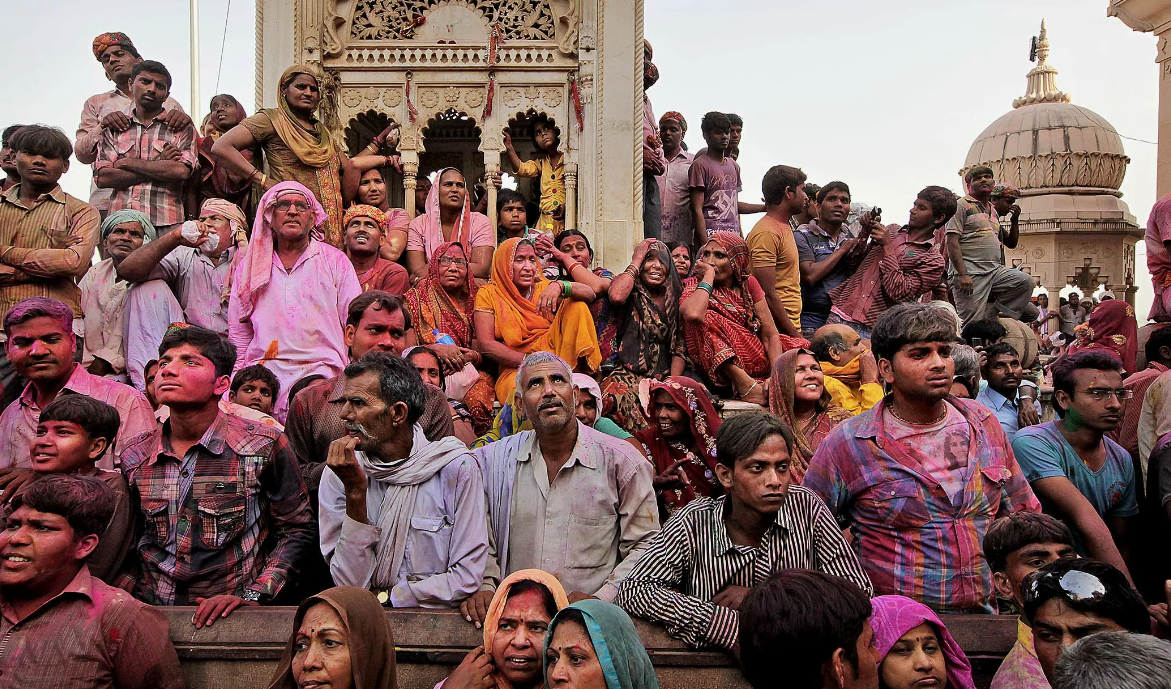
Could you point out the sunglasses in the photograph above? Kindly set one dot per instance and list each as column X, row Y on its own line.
column 1077, row 586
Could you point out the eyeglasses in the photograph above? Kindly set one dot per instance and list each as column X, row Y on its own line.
column 299, row 206
column 449, row 261
column 1100, row 394
column 1077, row 586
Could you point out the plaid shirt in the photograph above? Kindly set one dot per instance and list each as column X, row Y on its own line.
column 909, row 271
column 161, row 201
column 230, row 516
column 911, row 539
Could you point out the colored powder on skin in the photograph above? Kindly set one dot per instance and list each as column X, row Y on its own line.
column 1072, row 420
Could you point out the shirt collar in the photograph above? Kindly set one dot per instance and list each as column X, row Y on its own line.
column 80, row 585
column 581, row 453
column 870, row 424
column 998, row 399
column 723, row 505
column 78, row 382
column 310, row 251
column 13, row 195
column 212, row 440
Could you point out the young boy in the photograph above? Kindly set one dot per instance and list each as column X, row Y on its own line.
column 73, row 433
column 715, row 182
column 1015, row 547
column 511, row 216
column 255, row 387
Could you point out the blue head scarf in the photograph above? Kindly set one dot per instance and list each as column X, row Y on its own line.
column 624, row 660
column 129, row 215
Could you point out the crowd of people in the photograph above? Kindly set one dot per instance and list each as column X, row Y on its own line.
column 276, row 389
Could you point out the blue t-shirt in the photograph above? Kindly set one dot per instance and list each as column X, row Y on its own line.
column 1043, row 452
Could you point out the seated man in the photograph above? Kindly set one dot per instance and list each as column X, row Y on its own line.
column 695, row 573
column 1081, row 476
column 922, row 474
column 1002, row 370
column 1110, row 660
column 41, row 347
column 241, row 524
column 533, row 479
column 851, row 372
column 813, row 625
column 103, row 294
column 400, row 515
column 1071, row 599
column 58, row 619
column 255, row 387
column 1016, row 547
column 364, row 228
column 966, row 381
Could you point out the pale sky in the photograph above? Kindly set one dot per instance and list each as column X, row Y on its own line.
column 886, row 96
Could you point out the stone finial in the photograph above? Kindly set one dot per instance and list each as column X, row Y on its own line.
column 1042, row 78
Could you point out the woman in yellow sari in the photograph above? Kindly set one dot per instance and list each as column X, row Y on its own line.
column 297, row 146
column 519, row 312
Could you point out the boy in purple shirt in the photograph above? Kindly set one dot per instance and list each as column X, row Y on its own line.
column 715, row 182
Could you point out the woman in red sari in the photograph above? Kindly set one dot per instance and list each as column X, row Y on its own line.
column 797, row 396
column 730, row 332
column 442, row 304
column 681, row 442
column 1112, row 326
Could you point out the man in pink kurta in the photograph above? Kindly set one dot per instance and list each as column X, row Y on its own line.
column 1158, row 239
column 287, row 309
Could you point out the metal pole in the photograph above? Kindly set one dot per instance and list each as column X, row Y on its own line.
column 196, row 101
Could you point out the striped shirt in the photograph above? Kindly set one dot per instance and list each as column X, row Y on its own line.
column 907, row 272
column 692, row 559
column 161, row 201
column 35, row 257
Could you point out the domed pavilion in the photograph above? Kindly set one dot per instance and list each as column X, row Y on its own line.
column 1068, row 162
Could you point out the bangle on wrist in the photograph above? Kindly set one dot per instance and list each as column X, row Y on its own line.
column 566, row 288
column 705, row 287
column 632, row 271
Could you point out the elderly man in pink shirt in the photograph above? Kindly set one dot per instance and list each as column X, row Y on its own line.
column 287, row 309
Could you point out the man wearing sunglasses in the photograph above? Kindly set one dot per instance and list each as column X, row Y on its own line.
column 1081, row 476
column 1071, row 599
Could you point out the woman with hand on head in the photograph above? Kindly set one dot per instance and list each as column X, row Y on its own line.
column 916, row 649
column 797, row 396
column 448, row 217
column 571, row 250
column 219, row 181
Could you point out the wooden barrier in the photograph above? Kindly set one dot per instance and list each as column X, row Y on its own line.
column 242, row 651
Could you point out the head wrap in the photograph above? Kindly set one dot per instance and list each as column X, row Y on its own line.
column 104, row 41
column 256, row 265
column 781, row 394
column 703, row 422
column 363, row 211
column 432, row 308
column 896, row 615
column 1112, row 327
column 624, row 660
column 588, row 384
column 368, row 637
column 432, row 223
column 1005, row 190
column 120, row 216
column 676, row 117
column 313, row 147
column 500, row 599
column 239, row 237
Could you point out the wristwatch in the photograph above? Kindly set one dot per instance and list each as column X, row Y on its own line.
column 251, row 596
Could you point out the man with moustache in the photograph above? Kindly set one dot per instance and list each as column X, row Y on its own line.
column 8, row 159
column 563, row 497
column 400, row 515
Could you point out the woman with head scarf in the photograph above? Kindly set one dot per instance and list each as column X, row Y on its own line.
column 649, row 331
column 797, row 396
column 572, row 253
column 514, row 634
column 681, row 442
column 1111, row 326
column 729, row 329
column 218, row 181
column 519, row 312
column 593, row 644
column 341, row 638
column 448, row 217
column 103, row 294
column 916, row 647
column 589, row 407
column 297, row 146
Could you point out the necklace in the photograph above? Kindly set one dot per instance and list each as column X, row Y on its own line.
column 942, row 416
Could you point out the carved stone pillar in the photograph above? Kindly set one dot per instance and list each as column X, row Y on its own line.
column 571, row 196
column 1154, row 17
column 492, row 167
column 410, row 182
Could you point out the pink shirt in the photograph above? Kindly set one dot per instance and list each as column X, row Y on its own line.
column 1159, row 231
column 297, row 326
column 422, row 237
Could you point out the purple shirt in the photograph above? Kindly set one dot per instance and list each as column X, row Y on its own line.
column 675, row 199
column 721, row 192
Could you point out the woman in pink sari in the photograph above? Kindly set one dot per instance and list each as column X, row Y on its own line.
column 449, row 218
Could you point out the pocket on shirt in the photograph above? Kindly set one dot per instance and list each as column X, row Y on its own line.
column 158, row 519
column 590, row 541
column 899, row 504
column 430, row 543
column 992, row 479
column 221, row 519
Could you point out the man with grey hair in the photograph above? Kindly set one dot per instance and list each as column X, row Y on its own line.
column 965, row 382
column 1115, row 660
column 400, row 515
column 563, row 497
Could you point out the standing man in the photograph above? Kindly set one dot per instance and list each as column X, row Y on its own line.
column 653, row 163
column 400, row 515
column 563, row 497
column 288, row 304
column 737, row 132
column 227, row 518
column 774, row 250
column 900, row 265
column 1080, row 475
column 1002, row 369
column 1158, row 243
column 8, row 159
column 111, row 111
column 922, row 475
column 147, row 164
column 715, row 183
column 364, row 226
column 674, row 188
column 980, row 282
column 1072, row 314
column 829, row 252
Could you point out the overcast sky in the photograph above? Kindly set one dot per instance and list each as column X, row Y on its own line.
column 887, row 96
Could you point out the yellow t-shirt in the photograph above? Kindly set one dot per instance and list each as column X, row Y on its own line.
column 771, row 244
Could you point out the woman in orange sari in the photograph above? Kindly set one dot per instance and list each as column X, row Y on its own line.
column 519, row 312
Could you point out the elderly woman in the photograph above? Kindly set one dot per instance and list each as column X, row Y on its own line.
column 797, row 395
column 449, row 218
column 571, row 251
column 681, row 442
column 589, row 407
column 341, row 639
column 645, row 298
column 916, row 648
column 297, row 146
column 519, row 312
column 219, row 181
column 593, row 644
column 443, row 305
column 730, row 331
